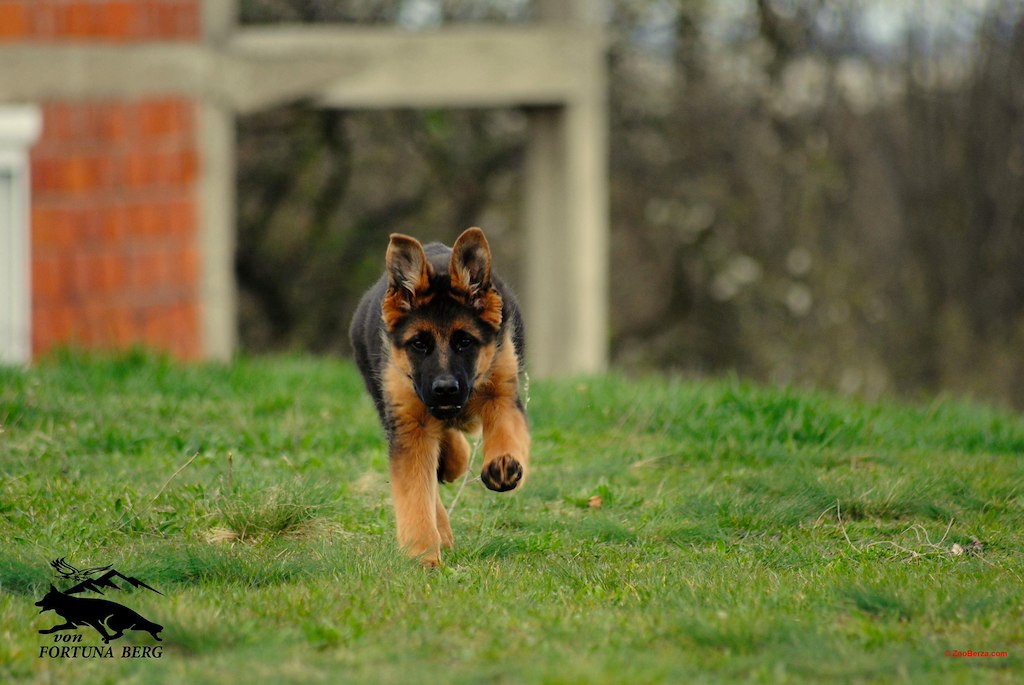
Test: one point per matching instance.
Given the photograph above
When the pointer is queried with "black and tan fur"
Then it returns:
(439, 341)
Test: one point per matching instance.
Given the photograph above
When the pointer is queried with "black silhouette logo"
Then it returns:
(101, 614)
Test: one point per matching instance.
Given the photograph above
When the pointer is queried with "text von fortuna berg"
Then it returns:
(98, 652)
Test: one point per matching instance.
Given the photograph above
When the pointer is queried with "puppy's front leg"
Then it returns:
(413, 465)
(506, 446)
(503, 419)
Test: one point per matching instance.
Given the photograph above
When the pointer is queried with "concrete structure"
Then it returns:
(113, 241)
(19, 128)
(202, 69)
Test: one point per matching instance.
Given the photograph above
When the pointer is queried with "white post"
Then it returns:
(19, 128)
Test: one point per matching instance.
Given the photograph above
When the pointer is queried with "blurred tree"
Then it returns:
(823, 193)
(807, 192)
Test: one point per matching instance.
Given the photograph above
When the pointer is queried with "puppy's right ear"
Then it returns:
(408, 278)
(406, 265)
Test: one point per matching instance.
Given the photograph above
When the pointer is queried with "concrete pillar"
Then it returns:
(217, 288)
(566, 214)
(549, 264)
(217, 224)
(587, 228)
(219, 17)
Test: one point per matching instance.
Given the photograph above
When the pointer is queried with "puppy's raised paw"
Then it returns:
(502, 474)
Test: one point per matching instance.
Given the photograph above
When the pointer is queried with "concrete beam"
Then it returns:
(34, 72)
(345, 67)
(468, 68)
(82, 72)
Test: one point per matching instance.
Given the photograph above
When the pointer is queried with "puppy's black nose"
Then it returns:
(445, 387)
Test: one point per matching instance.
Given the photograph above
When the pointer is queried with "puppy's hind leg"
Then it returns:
(453, 459)
(444, 526)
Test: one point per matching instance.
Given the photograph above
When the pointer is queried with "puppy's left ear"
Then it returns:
(470, 272)
(470, 267)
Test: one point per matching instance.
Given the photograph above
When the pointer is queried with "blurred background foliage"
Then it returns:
(804, 192)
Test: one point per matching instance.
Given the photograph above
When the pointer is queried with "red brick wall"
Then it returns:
(114, 258)
(114, 194)
(107, 20)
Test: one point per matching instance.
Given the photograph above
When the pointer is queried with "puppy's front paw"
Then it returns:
(502, 474)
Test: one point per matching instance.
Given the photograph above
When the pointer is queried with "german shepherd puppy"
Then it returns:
(439, 341)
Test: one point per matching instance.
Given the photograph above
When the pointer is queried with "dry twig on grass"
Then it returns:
(923, 545)
(465, 479)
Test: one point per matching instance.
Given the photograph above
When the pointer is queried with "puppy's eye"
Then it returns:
(463, 342)
(421, 345)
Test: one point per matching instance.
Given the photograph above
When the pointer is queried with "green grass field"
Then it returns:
(744, 534)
